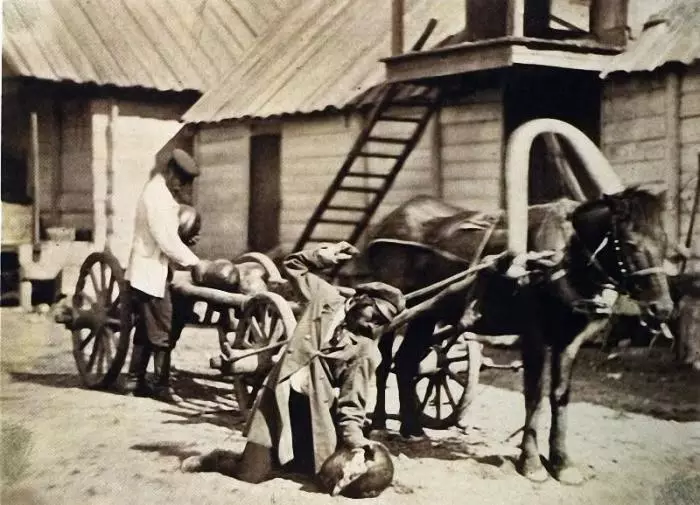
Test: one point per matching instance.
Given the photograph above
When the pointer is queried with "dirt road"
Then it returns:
(635, 429)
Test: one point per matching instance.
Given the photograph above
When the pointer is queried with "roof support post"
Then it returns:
(397, 11)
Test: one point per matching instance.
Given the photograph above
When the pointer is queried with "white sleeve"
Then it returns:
(163, 224)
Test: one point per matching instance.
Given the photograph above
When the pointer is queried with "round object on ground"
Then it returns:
(341, 474)
(190, 222)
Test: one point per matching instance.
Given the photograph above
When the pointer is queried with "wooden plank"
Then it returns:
(470, 133)
(636, 129)
(459, 61)
(471, 113)
(330, 144)
(691, 80)
(476, 171)
(309, 127)
(627, 152)
(219, 132)
(477, 151)
(633, 106)
(690, 130)
(690, 104)
(630, 84)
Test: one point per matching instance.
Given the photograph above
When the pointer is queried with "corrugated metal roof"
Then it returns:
(671, 35)
(160, 44)
(321, 55)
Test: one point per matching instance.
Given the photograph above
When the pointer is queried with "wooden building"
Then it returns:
(272, 137)
(92, 92)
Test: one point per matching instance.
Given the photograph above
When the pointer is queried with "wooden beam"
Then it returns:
(36, 178)
(397, 12)
(111, 162)
(673, 150)
(436, 168)
(515, 21)
(563, 167)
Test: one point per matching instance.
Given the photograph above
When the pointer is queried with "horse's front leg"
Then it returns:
(413, 349)
(386, 344)
(533, 353)
(563, 360)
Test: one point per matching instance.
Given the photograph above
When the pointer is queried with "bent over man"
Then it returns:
(315, 398)
(155, 245)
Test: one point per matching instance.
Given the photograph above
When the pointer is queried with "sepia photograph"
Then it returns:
(350, 251)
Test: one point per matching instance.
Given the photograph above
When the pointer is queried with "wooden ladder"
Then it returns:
(374, 160)
(357, 190)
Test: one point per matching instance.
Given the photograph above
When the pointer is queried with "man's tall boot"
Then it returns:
(162, 390)
(136, 384)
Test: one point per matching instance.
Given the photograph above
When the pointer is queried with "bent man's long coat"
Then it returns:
(269, 424)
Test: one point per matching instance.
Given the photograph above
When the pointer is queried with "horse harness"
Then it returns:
(611, 288)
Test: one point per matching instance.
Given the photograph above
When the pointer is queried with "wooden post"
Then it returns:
(515, 22)
(397, 11)
(673, 150)
(563, 167)
(111, 161)
(436, 169)
(36, 182)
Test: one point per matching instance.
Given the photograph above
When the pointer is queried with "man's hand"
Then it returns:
(199, 270)
(337, 253)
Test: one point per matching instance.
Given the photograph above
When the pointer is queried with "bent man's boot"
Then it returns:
(162, 390)
(136, 384)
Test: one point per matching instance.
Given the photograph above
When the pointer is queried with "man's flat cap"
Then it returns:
(185, 163)
(388, 299)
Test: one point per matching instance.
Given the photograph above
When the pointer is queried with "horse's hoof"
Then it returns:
(191, 464)
(537, 475)
(570, 475)
(533, 470)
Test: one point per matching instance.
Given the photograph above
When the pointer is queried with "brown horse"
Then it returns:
(612, 244)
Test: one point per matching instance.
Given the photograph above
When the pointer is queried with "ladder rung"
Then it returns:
(367, 175)
(378, 155)
(338, 221)
(407, 102)
(388, 140)
(359, 189)
(400, 119)
(347, 208)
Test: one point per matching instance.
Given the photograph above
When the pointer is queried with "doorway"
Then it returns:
(573, 96)
(265, 196)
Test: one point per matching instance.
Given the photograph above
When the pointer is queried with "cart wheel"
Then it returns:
(273, 273)
(266, 319)
(444, 395)
(102, 331)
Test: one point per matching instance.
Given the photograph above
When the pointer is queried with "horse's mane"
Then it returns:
(636, 206)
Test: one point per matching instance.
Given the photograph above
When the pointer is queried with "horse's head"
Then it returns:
(624, 238)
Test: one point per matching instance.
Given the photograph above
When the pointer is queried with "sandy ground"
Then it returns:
(635, 429)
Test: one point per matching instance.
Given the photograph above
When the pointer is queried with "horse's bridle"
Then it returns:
(622, 286)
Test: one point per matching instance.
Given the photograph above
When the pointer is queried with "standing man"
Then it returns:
(314, 400)
(155, 245)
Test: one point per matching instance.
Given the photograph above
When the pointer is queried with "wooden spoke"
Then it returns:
(93, 355)
(428, 393)
(95, 284)
(438, 399)
(448, 393)
(84, 343)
